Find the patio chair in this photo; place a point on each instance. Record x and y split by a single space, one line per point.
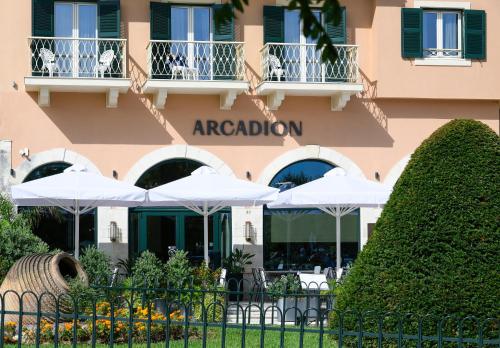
317 269
275 67
179 66
329 273
105 62
48 61
222 278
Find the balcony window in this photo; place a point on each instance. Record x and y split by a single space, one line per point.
75 57
441 34
302 61
76 47
188 54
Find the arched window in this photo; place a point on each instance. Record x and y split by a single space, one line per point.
167 171
56 226
300 239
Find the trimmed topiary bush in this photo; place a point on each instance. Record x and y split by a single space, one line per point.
436 247
97 265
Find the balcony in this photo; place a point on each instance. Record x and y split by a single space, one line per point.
91 65
195 67
297 70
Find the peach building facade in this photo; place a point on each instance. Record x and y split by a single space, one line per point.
250 99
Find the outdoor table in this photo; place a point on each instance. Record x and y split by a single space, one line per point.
313 282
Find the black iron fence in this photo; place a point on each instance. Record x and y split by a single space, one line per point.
166 317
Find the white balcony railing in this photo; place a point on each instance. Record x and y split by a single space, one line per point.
78 58
287 62
442 53
196 60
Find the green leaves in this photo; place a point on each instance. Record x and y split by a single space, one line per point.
312 27
436 247
235 263
97 266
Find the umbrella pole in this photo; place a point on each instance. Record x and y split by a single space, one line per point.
205 234
337 236
77 232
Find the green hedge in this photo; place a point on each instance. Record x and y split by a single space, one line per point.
436 247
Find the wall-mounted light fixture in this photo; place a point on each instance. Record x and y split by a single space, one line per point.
115 174
377 176
114 232
25 153
249 175
249 231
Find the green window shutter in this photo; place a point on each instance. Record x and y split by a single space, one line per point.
224 66
160 21
338 33
42 24
109 19
160 26
225 31
474 34
274 24
411 33
42 17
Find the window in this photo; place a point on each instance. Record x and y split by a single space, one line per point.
192 26
304 238
302 61
442 34
75 21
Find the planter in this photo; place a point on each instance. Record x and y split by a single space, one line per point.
235 284
293 307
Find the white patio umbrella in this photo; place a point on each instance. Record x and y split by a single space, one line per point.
77 191
337 194
206 192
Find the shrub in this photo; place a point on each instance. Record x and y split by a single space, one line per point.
148 271
436 247
178 270
16 238
97 266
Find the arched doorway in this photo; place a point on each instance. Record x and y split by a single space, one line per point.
300 239
160 229
56 226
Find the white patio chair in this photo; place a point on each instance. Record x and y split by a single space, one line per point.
179 66
105 62
275 67
48 61
317 269
222 278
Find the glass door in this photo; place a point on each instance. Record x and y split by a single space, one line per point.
163 230
158 234
192 25
72 22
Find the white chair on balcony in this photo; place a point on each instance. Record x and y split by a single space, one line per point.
178 66
48 61
105 62
275 67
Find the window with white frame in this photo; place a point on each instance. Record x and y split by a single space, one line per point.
191 34
442 34
75 26
302 60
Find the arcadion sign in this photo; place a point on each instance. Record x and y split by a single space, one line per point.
247 128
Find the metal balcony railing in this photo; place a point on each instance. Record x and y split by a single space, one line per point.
442 53
61 57
290 62
196 60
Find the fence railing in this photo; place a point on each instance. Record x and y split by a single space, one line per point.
78 58
288 62
223 318
196 60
